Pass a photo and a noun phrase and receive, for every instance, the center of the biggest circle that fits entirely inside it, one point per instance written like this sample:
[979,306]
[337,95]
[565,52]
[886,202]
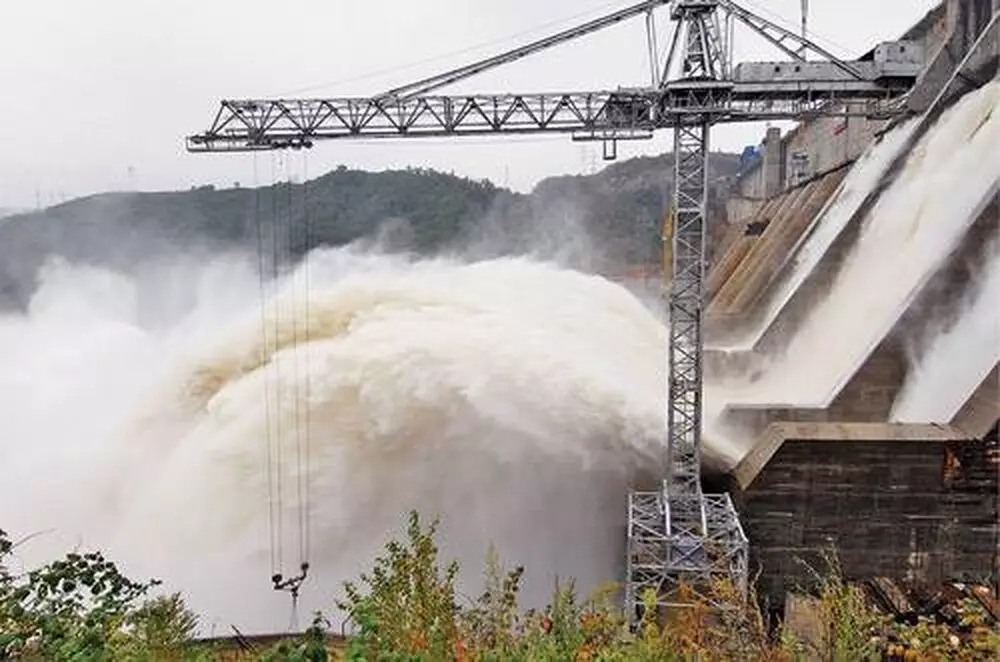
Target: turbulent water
[860,181]
[958,358]
[947,179]
[514,399]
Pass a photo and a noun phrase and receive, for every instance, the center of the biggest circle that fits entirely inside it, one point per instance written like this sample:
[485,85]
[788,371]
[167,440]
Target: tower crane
[677,535]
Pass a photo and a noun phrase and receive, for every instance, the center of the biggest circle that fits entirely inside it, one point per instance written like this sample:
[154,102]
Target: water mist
[516,400]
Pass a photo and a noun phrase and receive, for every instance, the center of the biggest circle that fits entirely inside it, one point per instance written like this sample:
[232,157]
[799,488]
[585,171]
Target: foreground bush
[407,609]
[82,607]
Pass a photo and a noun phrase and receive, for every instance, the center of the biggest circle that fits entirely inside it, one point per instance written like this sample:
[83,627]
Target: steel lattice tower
[680,536]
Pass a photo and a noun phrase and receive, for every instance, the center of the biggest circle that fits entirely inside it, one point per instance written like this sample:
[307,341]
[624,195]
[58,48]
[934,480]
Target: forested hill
[617,210]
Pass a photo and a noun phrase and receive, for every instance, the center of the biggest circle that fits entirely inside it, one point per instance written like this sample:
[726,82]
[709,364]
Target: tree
[405,609]
[82,607]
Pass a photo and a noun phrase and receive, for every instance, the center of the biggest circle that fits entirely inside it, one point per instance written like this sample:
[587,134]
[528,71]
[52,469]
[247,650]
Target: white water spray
[863,177]
[957,360]
[514,399]
[948,178]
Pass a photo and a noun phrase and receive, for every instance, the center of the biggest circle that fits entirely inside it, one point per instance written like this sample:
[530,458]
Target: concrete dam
[853,330]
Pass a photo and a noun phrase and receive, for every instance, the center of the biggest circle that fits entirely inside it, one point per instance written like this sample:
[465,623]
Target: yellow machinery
[667,246]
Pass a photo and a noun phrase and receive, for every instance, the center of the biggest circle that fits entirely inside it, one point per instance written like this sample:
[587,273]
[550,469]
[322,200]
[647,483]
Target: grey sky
[94,87]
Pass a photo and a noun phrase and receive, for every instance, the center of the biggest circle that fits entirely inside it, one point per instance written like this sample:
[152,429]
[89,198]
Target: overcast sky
[98,94]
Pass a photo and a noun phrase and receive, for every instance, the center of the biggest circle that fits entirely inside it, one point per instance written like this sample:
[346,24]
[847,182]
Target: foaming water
[863,177]
[917,222]
[958,359]
[516,400]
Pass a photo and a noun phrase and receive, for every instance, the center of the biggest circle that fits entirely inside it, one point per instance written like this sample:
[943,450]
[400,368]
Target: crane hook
[291,584]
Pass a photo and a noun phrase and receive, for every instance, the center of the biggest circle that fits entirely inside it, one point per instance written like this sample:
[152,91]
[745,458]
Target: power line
[444,56]
[784,22]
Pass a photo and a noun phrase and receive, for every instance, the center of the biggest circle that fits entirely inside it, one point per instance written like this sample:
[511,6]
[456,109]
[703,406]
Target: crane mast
[678,536]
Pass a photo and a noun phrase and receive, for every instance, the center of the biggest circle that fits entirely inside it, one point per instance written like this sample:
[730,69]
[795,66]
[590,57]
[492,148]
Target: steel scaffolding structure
[677,536]
[696,539]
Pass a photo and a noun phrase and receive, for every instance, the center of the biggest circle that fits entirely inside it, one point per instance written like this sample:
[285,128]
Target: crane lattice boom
[265,124]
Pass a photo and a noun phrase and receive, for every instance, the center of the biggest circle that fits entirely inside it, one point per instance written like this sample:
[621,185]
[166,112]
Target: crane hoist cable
[307,242]
[276,363]
[295,408]
[264,353]
[282,248]
[293,221]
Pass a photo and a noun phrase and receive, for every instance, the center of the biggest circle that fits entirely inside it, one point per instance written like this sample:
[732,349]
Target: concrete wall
[827,143]
[747,267]
[866,398]
[933,30]
[761,181]
[923,510]
[973,45]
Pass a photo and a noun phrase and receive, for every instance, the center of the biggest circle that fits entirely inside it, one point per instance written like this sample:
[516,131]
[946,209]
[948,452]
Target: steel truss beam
[686,294]
[265,124]
[409,111]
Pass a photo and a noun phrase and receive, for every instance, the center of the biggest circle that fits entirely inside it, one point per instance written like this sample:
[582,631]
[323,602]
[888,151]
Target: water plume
[515,399]
[954,361]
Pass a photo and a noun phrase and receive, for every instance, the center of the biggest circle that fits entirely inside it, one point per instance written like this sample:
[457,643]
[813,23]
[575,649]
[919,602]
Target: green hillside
[617,210]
